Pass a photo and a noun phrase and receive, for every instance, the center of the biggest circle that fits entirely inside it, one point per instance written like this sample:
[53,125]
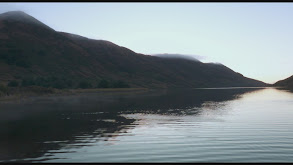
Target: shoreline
[25,93]
[22,93]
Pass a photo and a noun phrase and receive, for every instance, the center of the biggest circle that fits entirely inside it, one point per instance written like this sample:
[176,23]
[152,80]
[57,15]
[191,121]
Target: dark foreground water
[195,125]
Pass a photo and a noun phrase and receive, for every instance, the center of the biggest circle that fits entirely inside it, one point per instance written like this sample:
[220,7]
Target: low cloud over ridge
[180,56]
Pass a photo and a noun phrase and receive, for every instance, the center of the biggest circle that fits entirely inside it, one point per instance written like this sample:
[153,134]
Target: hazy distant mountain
[29,48]
[288,83]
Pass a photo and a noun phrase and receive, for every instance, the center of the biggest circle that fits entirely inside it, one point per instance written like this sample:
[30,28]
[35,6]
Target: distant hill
[29,48]
[288,83]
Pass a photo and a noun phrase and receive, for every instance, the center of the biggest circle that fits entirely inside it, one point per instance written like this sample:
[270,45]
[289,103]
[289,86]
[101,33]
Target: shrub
[13,83]
[3,88]
[84,84]
[23,63]
[120,84]
[59,84]
[69,83]
[41,90]
[52,81]
[103,84]
[28,82]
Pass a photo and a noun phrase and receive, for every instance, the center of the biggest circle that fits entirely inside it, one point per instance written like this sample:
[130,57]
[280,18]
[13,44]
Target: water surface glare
[192,125]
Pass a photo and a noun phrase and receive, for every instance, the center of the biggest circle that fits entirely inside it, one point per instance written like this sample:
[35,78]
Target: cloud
[182,56]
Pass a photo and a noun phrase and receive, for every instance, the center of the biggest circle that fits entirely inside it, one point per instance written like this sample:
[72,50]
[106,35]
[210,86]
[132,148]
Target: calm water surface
[194,125]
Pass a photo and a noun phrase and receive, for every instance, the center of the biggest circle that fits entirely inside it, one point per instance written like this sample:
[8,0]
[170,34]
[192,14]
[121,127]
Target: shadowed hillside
[32,50]
[287,83]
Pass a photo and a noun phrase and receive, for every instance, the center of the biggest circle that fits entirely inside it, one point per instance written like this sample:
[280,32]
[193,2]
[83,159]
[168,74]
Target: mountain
[287,83]
[29,48]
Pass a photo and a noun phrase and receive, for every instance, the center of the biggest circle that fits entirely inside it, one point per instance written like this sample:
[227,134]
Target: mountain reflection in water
[30,129]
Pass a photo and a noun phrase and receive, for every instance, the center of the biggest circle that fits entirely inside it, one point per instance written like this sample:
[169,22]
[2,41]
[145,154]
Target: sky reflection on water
[158,126]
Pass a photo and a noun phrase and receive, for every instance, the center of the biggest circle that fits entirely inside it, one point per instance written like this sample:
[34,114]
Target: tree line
[65,83]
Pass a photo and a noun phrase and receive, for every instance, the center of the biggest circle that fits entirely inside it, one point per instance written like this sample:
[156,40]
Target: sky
[254,39]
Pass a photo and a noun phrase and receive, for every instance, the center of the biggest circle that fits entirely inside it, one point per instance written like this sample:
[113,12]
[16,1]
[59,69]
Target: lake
[186,125]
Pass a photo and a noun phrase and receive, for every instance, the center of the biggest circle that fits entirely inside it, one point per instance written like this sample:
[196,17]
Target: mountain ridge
[20,16]
[38,51]
[287,83]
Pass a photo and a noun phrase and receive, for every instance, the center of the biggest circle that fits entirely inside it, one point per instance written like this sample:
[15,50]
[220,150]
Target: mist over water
[194,125]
